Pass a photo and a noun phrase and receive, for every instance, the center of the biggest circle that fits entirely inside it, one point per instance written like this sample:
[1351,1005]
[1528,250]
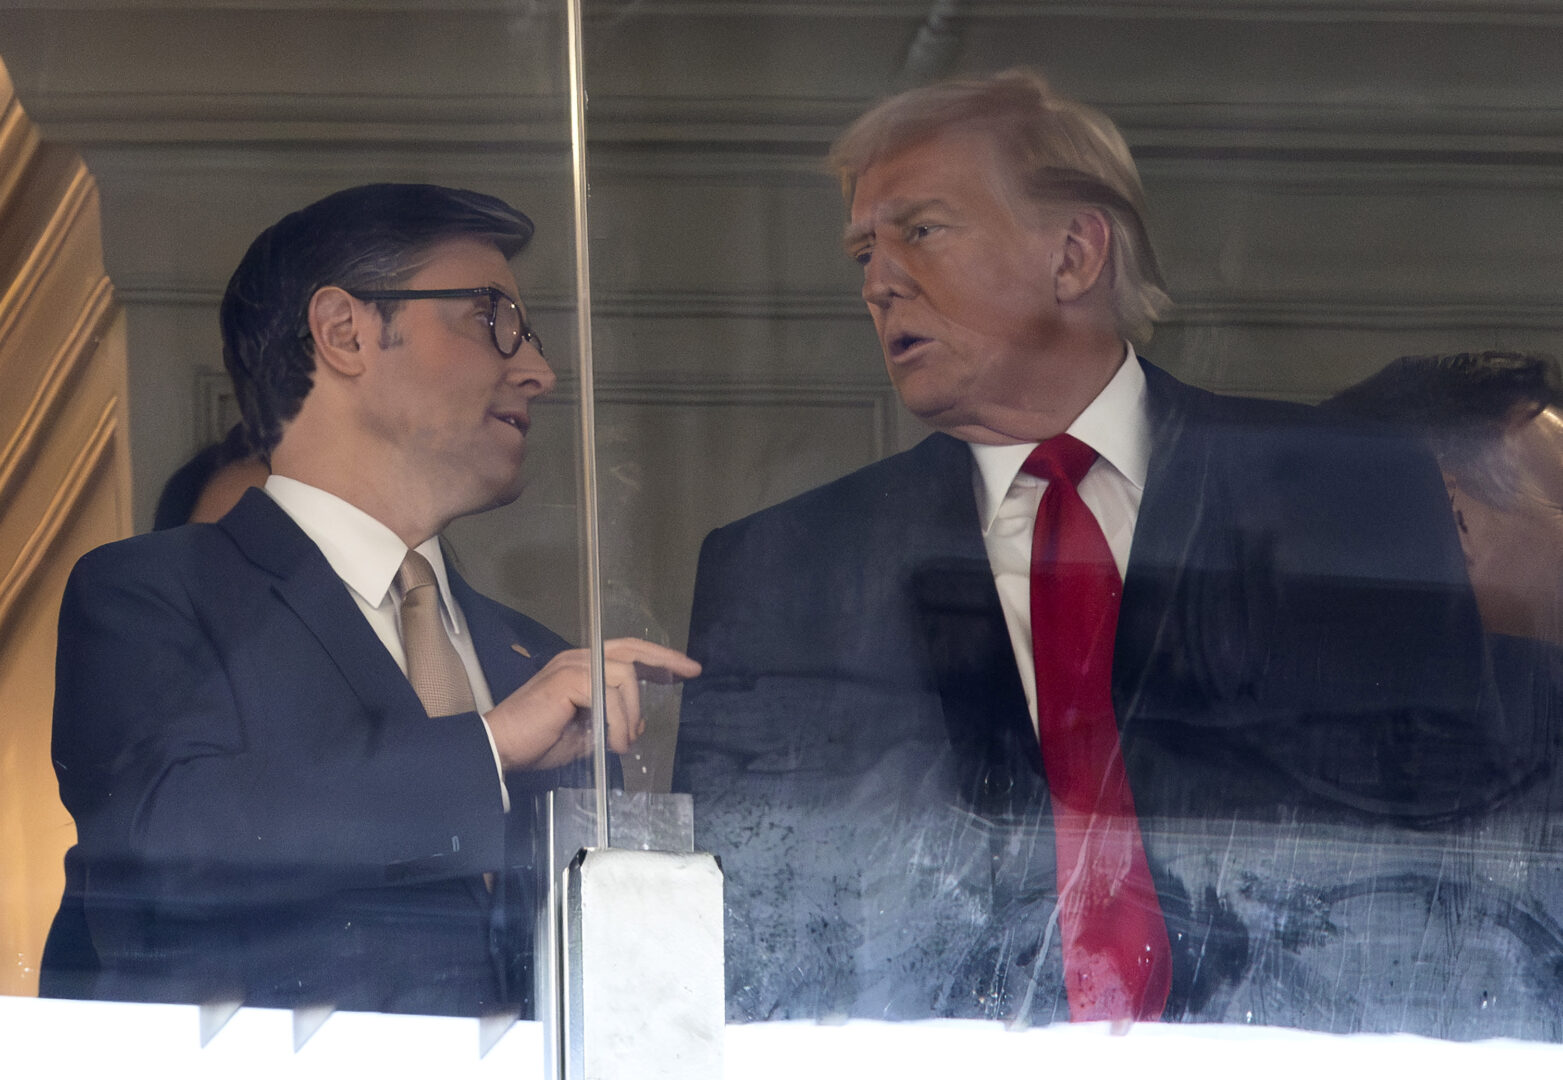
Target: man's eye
[862,257]
[920,232]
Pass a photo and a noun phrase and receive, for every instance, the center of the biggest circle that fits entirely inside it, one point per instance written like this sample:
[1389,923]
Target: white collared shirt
[1117,426]
[366,555]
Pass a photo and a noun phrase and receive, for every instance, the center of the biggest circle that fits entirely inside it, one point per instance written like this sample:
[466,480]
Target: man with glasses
[296,744]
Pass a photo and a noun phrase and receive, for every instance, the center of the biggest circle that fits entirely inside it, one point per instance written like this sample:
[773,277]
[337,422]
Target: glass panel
[1342,789]
[1341,759]
[266,813]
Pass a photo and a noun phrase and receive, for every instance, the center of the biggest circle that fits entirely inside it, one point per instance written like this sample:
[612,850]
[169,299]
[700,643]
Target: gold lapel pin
[522,651]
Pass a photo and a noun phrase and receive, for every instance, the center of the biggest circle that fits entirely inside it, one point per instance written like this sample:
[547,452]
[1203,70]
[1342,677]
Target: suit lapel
[308,585]
[506,659]
[305,582]
[962,623]
[973,661]
[504,669]
[1173,508]
[965,635]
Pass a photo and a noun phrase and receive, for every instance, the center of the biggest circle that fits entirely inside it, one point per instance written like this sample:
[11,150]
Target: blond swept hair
[1062,152]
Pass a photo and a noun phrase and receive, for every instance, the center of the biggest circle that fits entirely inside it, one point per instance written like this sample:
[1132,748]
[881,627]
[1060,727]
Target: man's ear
[339,326]
[1087,245]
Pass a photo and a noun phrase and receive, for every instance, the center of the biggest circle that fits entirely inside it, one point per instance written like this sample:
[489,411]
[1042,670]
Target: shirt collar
[364,552]
[1116,425]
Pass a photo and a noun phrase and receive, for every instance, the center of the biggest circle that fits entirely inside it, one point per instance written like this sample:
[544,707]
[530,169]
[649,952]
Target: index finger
[657,663]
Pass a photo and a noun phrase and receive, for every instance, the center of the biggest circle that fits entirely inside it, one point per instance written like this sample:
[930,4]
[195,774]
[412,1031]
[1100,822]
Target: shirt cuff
[504,792]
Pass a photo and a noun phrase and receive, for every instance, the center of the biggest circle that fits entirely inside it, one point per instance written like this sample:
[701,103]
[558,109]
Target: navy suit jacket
[1297,643]
[264,811]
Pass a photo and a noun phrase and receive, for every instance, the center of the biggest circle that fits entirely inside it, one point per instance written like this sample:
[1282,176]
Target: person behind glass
[297,746]
[207,486]
[992,672]
[1494,421]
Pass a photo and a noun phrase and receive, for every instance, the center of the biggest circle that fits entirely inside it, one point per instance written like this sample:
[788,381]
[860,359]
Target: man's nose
[529,370]
[884,279]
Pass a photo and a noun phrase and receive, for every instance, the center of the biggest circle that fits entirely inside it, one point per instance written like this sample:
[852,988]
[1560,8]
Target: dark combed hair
[1463,405]
[362,238]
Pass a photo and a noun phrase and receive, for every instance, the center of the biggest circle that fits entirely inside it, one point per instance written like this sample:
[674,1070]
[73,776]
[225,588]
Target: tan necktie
[435,671]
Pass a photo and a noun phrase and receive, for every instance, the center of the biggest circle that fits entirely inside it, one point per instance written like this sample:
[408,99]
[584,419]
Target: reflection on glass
[1096,613]
[1305,773]
[1337,755]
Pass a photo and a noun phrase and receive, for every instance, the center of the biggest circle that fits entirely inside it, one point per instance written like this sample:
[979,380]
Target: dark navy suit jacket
[1297,644]
[264,811]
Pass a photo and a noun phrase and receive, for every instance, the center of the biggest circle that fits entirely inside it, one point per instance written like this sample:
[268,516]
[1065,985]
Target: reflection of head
[1466,406]
[183,489]
[1495,422]
[193,483]
[1060,151]
[363,238]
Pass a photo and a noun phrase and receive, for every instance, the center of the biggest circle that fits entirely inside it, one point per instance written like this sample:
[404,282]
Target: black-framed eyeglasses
[506,321]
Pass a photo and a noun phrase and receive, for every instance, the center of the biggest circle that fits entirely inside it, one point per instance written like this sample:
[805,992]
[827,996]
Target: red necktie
[1117,961]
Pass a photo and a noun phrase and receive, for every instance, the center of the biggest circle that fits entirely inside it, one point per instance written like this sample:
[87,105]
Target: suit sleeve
[766,693]
[201,757]
[700,754]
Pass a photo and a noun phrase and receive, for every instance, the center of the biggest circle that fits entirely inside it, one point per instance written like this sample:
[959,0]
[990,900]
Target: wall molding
[67,209]
[97,119]
[876,398]
[1505,165]
[89,459]
[1503,12]
[633,390]
[1325,313]
[19,144]
[53,388]
[215,408]
[788,128]
[1388,311]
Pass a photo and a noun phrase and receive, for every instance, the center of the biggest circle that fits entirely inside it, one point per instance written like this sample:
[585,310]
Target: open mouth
[515,420]
[900,344]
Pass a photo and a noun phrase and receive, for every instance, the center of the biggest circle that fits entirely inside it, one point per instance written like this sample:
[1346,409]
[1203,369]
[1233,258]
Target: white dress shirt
[1115,425]
[366,555]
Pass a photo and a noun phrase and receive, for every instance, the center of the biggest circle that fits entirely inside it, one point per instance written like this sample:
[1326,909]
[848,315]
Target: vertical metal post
[629,942]
[588,421]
